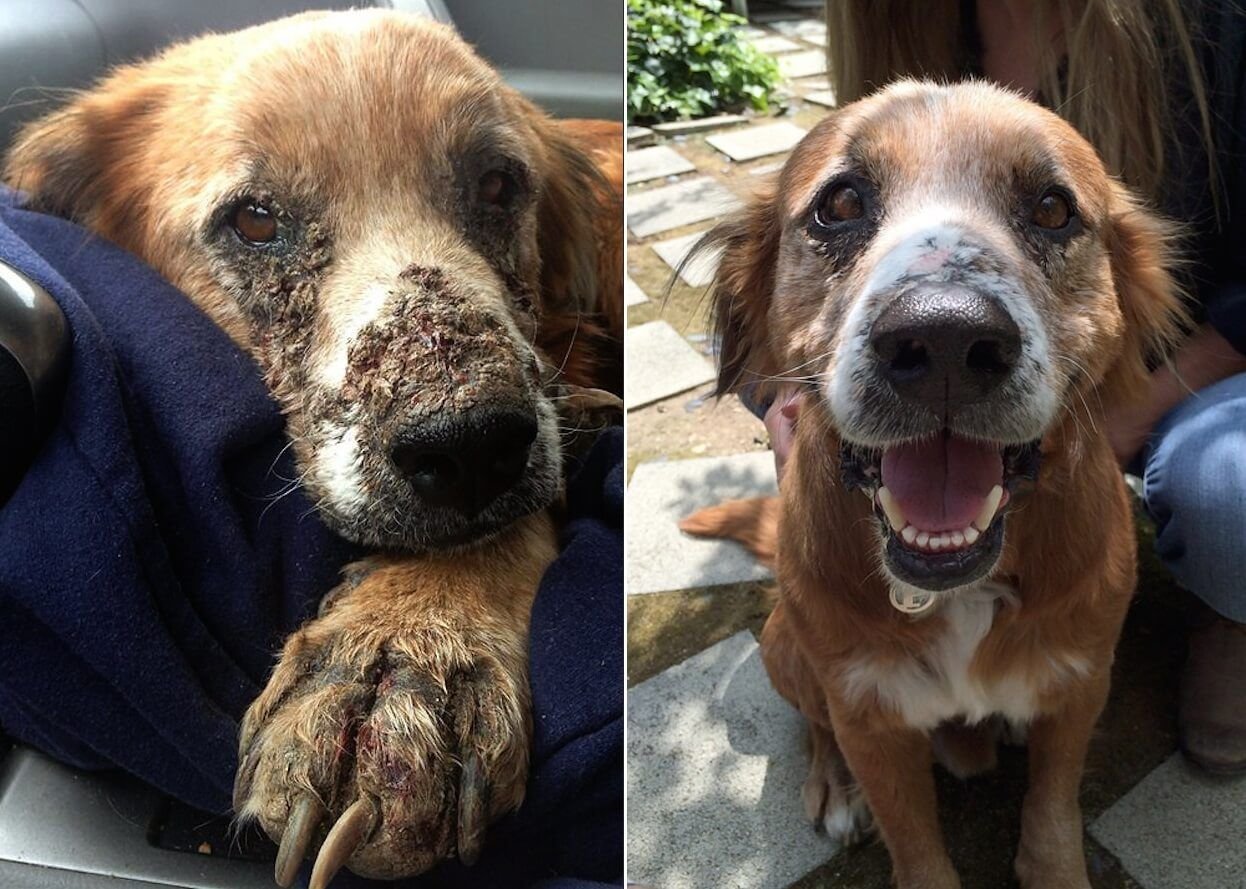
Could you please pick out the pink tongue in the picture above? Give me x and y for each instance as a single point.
(941, 483)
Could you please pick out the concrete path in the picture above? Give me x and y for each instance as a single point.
(660, 495)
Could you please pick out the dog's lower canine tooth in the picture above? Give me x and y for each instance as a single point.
(971, 535)
(909, 534)
(983, 521)
(894, 514)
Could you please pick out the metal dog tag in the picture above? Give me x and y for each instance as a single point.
(911, 601)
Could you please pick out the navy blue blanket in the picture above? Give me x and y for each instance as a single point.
(156, 554)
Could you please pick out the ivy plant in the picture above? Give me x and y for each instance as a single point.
(685, 59)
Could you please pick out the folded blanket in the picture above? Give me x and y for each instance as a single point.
(157, 553)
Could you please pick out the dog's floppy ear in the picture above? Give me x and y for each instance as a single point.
(741, 291)
(1143, 249)
(580, 223)
(74, 162)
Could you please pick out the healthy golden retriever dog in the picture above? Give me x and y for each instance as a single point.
(960, 289)
(426, 269)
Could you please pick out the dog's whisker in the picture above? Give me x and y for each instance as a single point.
(567, 356)
(281, 453)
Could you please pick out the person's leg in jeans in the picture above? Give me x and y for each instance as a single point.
(1195, 489)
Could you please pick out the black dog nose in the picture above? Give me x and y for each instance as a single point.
(945, 345)
(467, 462)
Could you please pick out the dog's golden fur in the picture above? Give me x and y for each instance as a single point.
(1069, 551)
(410, 691)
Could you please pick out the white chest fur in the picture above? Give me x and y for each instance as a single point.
(937, 686)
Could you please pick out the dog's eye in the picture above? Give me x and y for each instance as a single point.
(497, 188)
(254, 223)
(843, 203)
(1052, 211)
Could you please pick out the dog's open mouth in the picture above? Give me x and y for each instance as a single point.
(941, 503)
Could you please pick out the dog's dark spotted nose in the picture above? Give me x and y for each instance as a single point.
(466, 463)
(945, 345)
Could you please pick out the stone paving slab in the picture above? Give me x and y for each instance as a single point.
(821, 97)
(632, 294)
(699, 125)
(755, 142)
(747, 32)
(659, 556)
(671, 206)
(697, 273)
(715, 761)
(660, 363)
(773, 44)
(802, 64)
(809, 30)
(767, 169)
(656, 162)
(1179, 828)
(639, 137)
(809, 85)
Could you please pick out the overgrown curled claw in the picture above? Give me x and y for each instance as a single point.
(387, 750)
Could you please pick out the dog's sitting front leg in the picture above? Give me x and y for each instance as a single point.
(396, 725)
(894, 771)
(1051, 854)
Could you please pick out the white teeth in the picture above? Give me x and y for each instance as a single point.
(941, 540)
(895, 515)
(983, 521)
(947, 540)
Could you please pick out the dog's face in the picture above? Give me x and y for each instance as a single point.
(949, 270)
(358, 199)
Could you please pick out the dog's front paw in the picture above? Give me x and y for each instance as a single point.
(388, 737)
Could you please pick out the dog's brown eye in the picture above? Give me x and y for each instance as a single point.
(1052, 211)
(254, 223)
(497, 188)
(841, 204)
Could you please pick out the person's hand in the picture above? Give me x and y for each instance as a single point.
(1128, 431)
(1203, 359)
(780, 422)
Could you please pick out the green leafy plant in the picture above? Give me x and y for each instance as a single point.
(685, 60)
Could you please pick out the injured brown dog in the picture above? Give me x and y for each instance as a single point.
(426, 269)
(959, 289)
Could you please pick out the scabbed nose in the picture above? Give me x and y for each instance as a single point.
(467, 462)
(945, 345)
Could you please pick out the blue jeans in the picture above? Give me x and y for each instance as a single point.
(1194, 485)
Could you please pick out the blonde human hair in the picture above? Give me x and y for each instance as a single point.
(1117, 57)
